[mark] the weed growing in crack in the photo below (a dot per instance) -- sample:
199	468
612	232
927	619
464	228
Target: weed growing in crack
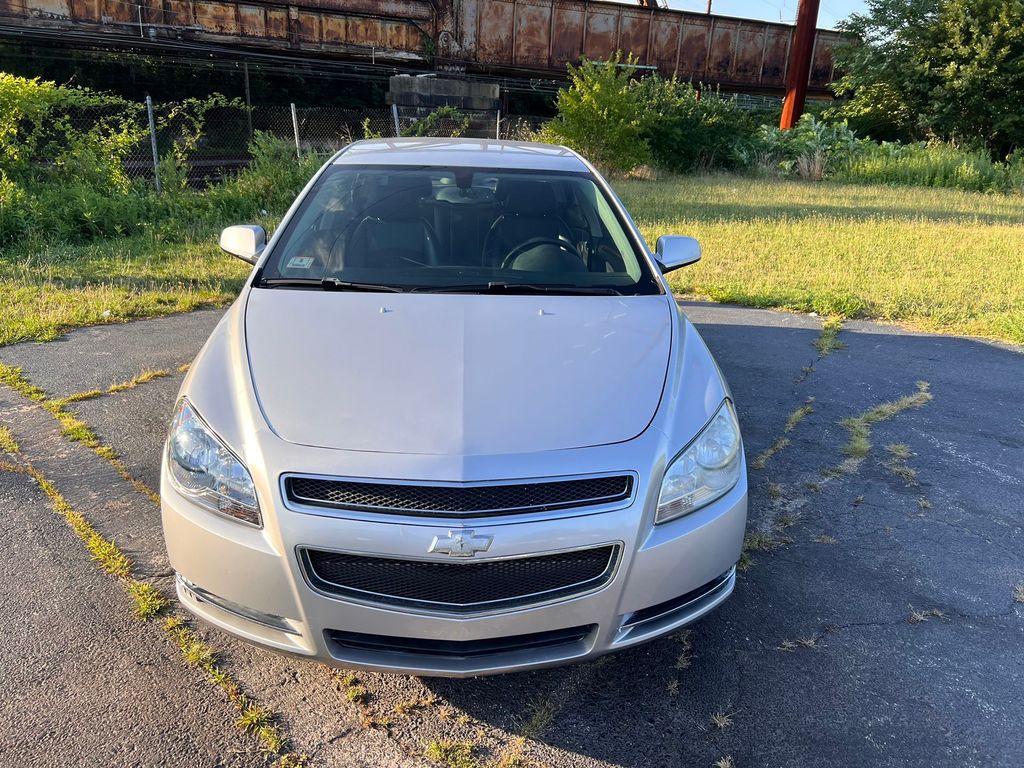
799	414
540	718
762	458
859	427
897	463
7	442
918	617
721	720
828	342
454	754
148	602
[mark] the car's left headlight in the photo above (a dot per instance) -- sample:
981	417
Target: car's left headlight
705	471
201	467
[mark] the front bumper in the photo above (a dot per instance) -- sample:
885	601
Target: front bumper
250	583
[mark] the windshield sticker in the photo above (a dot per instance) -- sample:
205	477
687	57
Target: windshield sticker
299	262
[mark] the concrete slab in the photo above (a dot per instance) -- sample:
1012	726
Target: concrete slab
96	357
84	682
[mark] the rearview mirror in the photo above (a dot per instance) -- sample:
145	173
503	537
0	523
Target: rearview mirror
246	241
675	251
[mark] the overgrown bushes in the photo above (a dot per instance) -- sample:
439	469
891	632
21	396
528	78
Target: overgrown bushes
62	153
602	114
621	121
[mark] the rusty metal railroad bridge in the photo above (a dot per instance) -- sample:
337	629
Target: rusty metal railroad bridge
508	38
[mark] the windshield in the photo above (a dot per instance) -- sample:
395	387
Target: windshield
457	229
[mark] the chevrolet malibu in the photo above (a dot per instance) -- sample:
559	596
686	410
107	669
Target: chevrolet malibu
455	423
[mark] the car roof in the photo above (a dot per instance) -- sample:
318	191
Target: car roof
471	153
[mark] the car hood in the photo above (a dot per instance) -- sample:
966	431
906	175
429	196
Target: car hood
456	374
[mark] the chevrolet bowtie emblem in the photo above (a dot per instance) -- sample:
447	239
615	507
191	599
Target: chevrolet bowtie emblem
460	544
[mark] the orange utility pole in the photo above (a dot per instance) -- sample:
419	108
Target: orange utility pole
799	70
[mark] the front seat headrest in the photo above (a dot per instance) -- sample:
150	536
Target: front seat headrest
527	197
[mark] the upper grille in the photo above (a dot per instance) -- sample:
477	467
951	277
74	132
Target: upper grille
462	586
458	500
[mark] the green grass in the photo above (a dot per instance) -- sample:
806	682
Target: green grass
859	427
454	754
933	259
51	288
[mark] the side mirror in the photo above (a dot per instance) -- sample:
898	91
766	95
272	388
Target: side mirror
246	241
675	251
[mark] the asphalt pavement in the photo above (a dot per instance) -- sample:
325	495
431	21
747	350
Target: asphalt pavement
875	625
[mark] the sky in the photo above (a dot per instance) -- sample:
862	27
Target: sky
831	11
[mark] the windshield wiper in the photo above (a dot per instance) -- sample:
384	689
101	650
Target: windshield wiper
326	284
334	284
525	288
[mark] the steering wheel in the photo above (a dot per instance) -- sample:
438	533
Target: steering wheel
533	242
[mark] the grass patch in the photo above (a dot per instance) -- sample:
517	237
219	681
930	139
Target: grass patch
52	288
7	442
799	415
792	421
541	716
92	394
148	602
761	461
454	754
828	342
12	377
859	427
897	463
933	259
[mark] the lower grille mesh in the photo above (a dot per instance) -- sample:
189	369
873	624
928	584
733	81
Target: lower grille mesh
459	587
457	649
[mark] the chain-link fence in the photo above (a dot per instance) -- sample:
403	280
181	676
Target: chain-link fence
199	142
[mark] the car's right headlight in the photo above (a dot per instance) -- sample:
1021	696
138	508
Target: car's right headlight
705	471
202	468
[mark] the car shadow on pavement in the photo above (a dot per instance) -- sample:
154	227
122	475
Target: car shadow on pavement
875	620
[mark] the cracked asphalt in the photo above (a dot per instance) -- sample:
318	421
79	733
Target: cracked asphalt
816	658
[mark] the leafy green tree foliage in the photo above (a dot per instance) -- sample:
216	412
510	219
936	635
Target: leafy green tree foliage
948	69
689	130
602	115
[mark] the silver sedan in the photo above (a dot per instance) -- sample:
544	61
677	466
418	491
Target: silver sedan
455	423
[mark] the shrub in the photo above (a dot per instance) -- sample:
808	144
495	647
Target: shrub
602	115
928	164
808	149
443	121
689	130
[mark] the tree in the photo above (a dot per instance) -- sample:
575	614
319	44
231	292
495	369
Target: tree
950	69
602	115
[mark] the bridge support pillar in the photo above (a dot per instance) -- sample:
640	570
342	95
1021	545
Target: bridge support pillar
799	70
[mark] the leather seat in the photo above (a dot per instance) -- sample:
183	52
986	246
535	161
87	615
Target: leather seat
394	232
529	211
